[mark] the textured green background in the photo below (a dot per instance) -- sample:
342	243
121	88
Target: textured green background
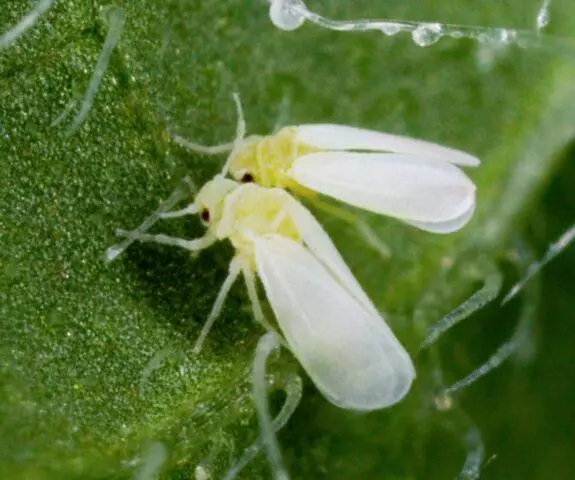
76	334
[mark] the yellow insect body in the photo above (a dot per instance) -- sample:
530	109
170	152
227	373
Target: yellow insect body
267	160
247	212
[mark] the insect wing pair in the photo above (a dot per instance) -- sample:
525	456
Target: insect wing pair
416	181
412	180
328	321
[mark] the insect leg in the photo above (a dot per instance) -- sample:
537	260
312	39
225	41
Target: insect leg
177	195
363	228
197	147
222	148
191	209
240	131
193	245
256	304
234	271
241	125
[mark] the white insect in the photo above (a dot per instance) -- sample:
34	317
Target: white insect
415	181
326	318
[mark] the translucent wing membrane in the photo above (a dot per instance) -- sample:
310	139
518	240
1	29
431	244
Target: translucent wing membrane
448	226
319	243
341	137
349	352
425	192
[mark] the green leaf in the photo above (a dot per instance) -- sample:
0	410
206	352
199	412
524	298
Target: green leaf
79	396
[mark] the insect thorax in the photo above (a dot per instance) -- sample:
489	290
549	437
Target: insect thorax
251	212
268	159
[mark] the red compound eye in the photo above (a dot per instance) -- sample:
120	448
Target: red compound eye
247	178
205	215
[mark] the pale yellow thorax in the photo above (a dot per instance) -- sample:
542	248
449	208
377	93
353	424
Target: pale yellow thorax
244	212
268	159
253	211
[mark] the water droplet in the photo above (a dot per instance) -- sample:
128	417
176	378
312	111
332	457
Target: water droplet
390	29
286	14
427	34
542	18
500	36
503	36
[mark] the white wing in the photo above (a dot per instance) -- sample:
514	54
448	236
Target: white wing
351	355
424	192
318	241
448	226
341	137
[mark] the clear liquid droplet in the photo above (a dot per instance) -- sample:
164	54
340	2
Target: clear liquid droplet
498	36
390	29
428	34
284	14
542	18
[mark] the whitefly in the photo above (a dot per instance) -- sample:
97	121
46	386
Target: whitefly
418	182
326	319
